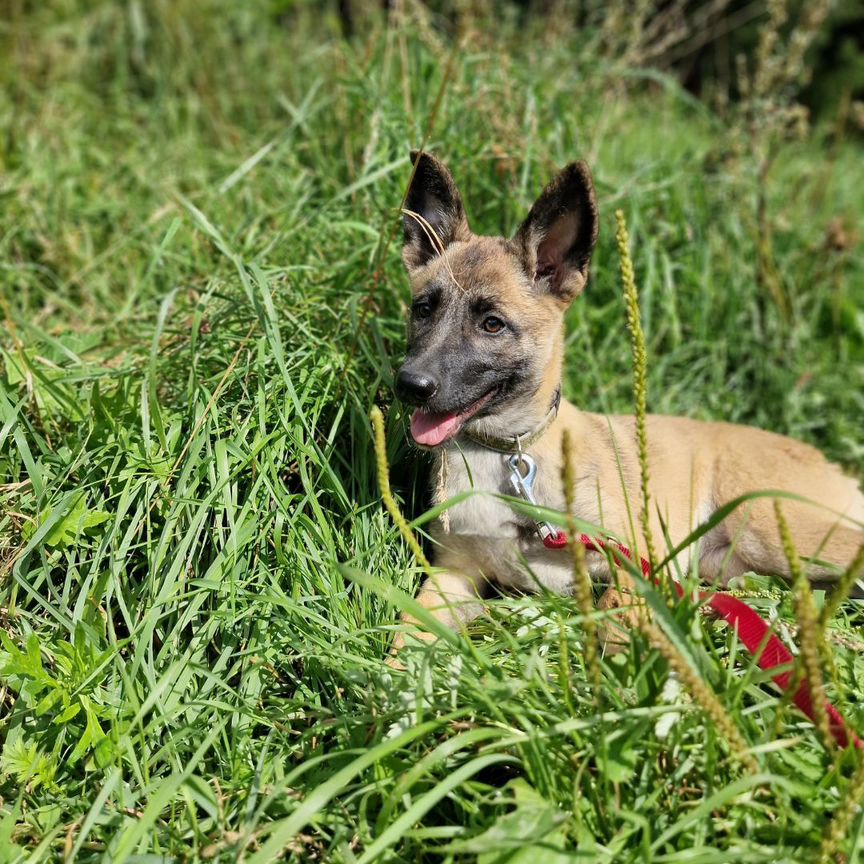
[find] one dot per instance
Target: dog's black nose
(415, 388)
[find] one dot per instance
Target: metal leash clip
(523, 487)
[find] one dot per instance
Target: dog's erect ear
(435, 216)
(556, 239)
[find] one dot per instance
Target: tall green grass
(198, 583)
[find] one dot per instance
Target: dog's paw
(394, 662)
(409, 634)
(627, 610)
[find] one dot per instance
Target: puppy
(483, 373)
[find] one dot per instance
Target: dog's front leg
(454, 599)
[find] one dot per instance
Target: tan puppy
(484, 369)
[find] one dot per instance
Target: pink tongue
(432, 429)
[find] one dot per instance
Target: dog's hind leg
(827, 544)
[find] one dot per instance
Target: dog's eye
(422, 309)
(491, 324)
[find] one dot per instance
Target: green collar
(517, 443)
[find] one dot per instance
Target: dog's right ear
(433, 215)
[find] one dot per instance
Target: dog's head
(485, 337)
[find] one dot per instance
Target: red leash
(754, 632)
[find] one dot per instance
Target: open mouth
(431, 428)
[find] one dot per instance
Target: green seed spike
(839, 827)
(640, 375)
(702, 693)
(810, 634)
(399, 520)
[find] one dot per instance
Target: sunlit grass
(198, 583)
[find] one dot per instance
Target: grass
(198, 580)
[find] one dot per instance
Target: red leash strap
(555, 541)
(754, 632)
(770, 652)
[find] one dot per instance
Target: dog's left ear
(556, 239)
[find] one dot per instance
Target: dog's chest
(480, 475)
(484, 532)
